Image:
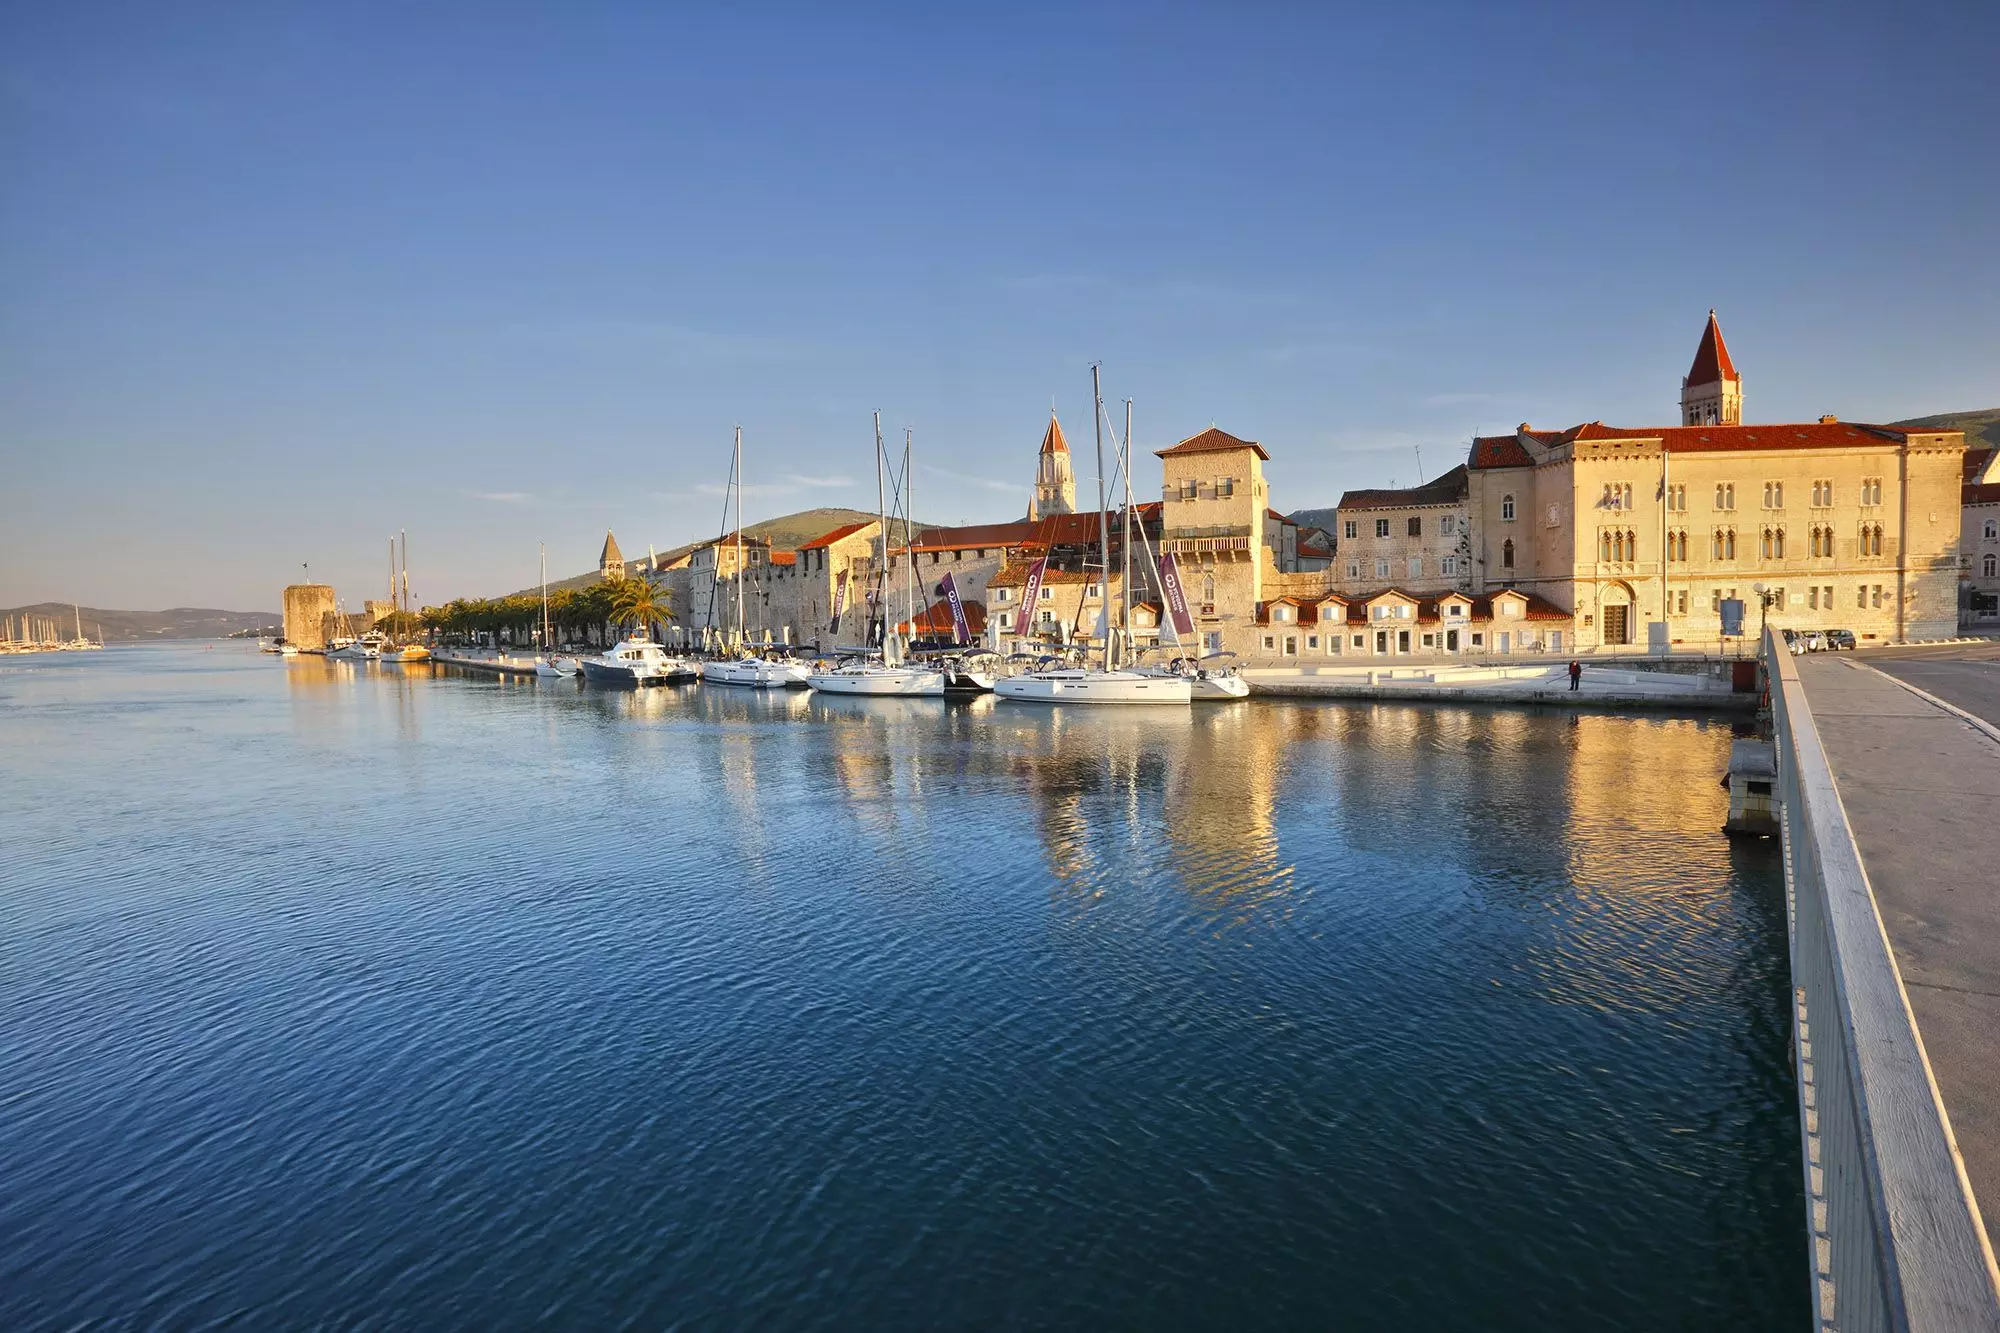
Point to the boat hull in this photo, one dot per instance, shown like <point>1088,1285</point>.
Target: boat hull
<point>755,675</point>
<point>1094,687</point>
<point>606,673</point>
<point>1219,689</point>
<point>880,683</point>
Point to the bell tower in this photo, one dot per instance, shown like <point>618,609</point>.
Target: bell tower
<point>1055,485</point>
<point>1712,391</point>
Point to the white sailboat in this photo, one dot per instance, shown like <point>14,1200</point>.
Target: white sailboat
<point>406,653</point>
<point>885,674</point>
<point>547,665</point>
<point>1087,684</point>
<point>748,669</point>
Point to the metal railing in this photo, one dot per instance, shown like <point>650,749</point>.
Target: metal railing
<point>1895,1239</point>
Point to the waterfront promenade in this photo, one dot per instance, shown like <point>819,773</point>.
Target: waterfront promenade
<point>1921,785</point>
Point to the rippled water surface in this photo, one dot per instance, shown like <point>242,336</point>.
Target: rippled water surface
<point>338,997</point>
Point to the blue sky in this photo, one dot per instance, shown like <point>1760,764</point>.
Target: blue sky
<point>277,280</point>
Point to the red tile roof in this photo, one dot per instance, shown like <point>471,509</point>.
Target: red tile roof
<point>784,557</point>
<point>1451,488</point>
<point>1211,441</point>
<point>936,619</point>
<point>1976,458</point>
<point>1737,439</point>
<point>1711,359</point>
<point>1052,439</point>
<point>1981,493</point>
<point>838,534</point>
<point>1495,451</point>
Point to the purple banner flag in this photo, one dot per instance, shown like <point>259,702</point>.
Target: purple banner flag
<point>1030,595</point>
<point>959,633</point>
<point>839,602</point>
<point>1176,595</point>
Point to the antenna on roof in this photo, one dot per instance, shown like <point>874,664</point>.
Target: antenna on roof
<point>1420,463</point>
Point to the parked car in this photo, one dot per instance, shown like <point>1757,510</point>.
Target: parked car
<point>1837,639</point>
<point>1815,641</point>
<point>1795,642</point>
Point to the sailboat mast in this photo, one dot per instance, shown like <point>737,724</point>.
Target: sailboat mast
<point>1103,525</point>
<point>882,569</point>
<point>1125,545</point>
<point>909,537</point>
<point>545,596</point>
<point>739,537</point>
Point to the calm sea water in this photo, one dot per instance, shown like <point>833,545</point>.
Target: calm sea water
<point>339,997</point>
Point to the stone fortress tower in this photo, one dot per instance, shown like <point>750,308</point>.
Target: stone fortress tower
<point>1712,392</point>
<point>1055,484</point>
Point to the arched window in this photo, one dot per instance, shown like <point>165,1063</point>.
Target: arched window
<point>1207,587</point>
<point>1765,549</point>
<point>1993,529</point>
<point>1778,542</point>
<point>1604,546</point>
<point>1507,548</point>
<point>1506,509</point>
<point>1729,544</point>
<point>1990,566</point>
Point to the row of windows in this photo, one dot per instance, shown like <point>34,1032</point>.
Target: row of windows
<point>1615,544</point>
<point>1617,495</point>
<point>1448,566</point>
<point>1414,526</point>
<point>1819,597</point>
<point>1219,489</point>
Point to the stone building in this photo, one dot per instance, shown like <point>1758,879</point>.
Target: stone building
<point>374,608</point>
<point>1215,516</point>
<point>836,567</point>
<point>1642,533</point>
<point>1416,538</point>
<point>610,561</point>
<point>1979,556</point>
<point>307,606</point>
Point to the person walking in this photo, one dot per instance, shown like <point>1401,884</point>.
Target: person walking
<point>1575,675</point>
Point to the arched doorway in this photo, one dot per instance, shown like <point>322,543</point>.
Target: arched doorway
<point>1614,609</point>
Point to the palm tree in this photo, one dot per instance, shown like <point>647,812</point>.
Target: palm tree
<point>637,600</point>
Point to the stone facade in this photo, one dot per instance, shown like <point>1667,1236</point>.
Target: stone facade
<point>1979,557</point>
<point>1055,482</point>
<point>307,606</point>
<point>1418,538</point>
<point>1215,508</point>
<point>1642,533</point>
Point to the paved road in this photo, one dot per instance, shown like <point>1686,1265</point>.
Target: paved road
<point>1922,792</point>
<point>1967,675</point>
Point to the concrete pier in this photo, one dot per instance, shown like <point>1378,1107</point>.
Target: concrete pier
<point>1526,683</point>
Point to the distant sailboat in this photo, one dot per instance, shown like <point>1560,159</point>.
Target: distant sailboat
<point>747,668</point>
<point>548,666</point>
<point>884,673</point>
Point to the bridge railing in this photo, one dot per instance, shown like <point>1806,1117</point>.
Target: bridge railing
<point>1896,1242</point>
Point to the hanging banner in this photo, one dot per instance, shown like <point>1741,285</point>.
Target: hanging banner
<point>959,633</point>
<point>1031,596</point>
<point>839,601</point>
<point>1176,595</point>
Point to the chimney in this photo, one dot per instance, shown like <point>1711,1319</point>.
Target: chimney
<point>1829,419</point>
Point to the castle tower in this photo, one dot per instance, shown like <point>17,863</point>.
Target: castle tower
<point>1712,392</point>
<point>1055,485</point>
<point>611,561</point>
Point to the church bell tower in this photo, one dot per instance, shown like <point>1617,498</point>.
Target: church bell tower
<point>1055,485</point>
<point>1712,392</point>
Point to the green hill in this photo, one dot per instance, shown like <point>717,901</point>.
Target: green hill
<point>1982,428</point>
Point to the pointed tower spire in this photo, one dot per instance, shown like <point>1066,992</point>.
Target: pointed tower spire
<point>611,561</point>
<point>1712,391</point>
<point>1055,484</point>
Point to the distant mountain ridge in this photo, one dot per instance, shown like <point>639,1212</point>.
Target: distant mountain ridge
<point>176,622</point>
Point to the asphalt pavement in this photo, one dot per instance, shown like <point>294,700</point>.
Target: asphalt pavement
<point>1966,675</point>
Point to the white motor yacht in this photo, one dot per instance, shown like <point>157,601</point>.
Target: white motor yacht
<point>757,673</point>
<point>862,676</point>
<point>633,662</point>
<point>1088,685</point>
